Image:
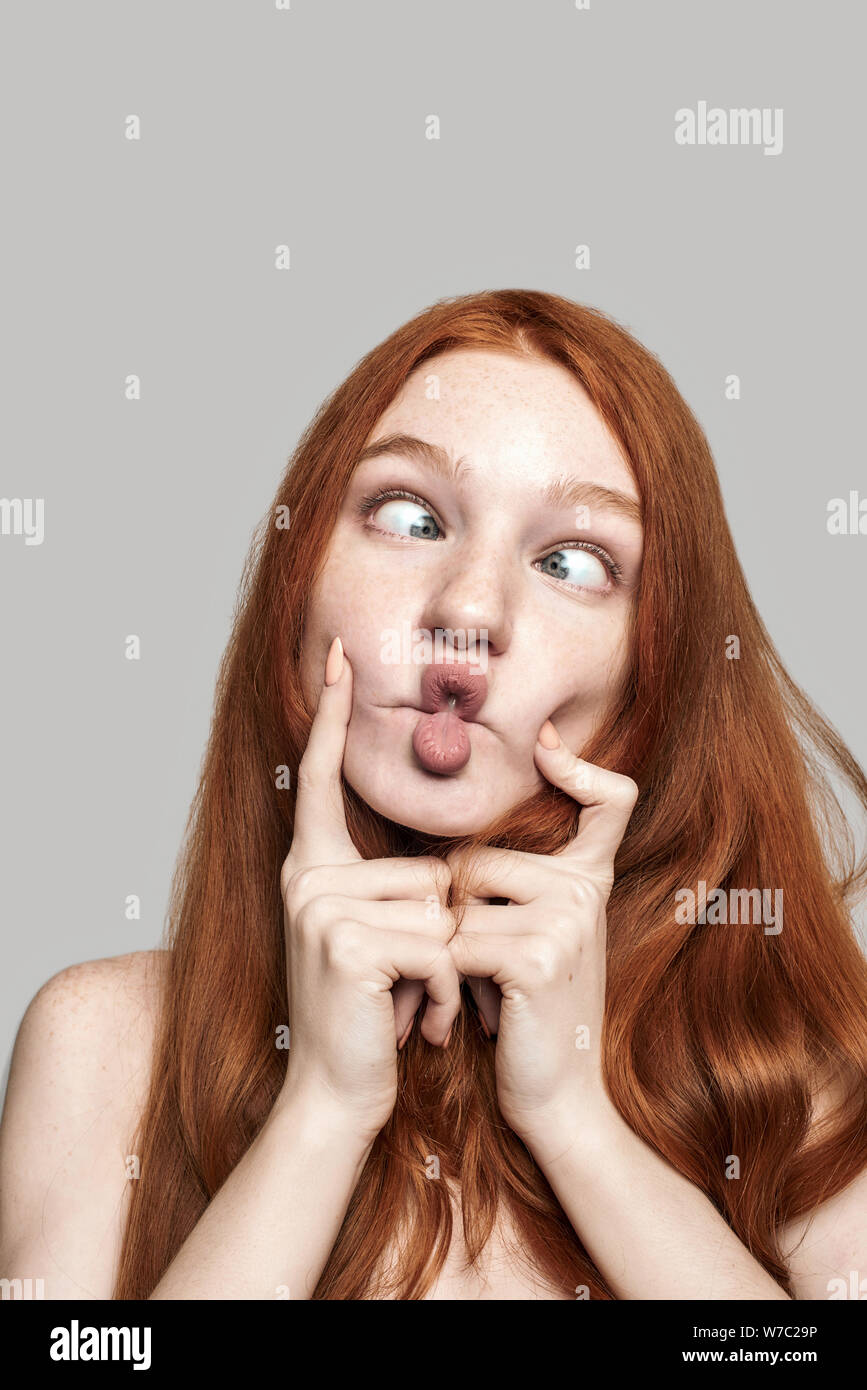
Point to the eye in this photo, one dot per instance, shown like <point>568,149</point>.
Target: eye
<point>401,513</point>
<point>583,567</point>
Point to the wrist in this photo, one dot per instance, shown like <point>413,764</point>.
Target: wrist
<point>309,1113</point>
<point>580,1126</point>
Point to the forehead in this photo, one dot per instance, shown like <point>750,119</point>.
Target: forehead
<point>508,416</point>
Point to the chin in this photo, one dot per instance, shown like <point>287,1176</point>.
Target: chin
<point>420,800</point>
<point>430,815</point>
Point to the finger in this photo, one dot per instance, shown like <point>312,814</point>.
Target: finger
<point>608,799</point>
<point>494,920</point>
<point>424,878</point>
<point>484,992</point>
<point>501,960</point>
<point>498,873</point>
<point>407,995</point>
<point>428,919</point>
<point>416,957</point>
<point>320,830</point>
<point>487,996</point>
<point>511,921</point>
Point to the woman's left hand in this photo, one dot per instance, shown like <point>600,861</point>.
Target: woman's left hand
<point>546,952</point>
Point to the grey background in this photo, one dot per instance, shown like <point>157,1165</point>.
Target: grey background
<point>307,127</point>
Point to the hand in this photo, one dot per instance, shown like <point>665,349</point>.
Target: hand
<point>546,952</point>
<point>353,928</point>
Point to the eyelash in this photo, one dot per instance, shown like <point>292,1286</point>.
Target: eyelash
<point>370,502</point>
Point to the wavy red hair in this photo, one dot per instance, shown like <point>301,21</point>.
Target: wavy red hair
<point>716,1038</point>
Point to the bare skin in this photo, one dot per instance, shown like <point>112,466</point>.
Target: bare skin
<point>77,1086</point>
<point>79,1077</point>
<point>495,559</point>
<point>340,1086</point>
<point>491,557</point>
<point>70,1110</point>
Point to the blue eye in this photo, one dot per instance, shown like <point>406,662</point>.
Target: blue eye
<point>581,565</point>
<point>578,566</point>
<point>402,514</point>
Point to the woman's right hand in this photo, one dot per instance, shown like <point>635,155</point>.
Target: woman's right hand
<point>353,928</point>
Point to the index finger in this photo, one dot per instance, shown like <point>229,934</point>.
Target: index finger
<point>320,831</point>
<point>608,799</point>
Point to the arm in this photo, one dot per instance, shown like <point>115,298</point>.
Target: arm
<point>652,1233</point>
<point>77,1089</point>
<point>77,1085</point>
<point>667,1240</point>
<point>271,1227</point>
<point>273,1223</point>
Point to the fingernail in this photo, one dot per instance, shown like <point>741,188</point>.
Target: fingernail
<point>406,1035</point>
<point>548,736</point>
<point>334,663</point>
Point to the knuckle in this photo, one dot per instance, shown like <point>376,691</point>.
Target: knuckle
<point>445,926</point>
<point>587,897</point>
<point>298,888</point>
<point>314,773</point>
<point>319,911</point>
<point>543,958</point>
<point>343,945</point>
<point>440,872</point>
<point>304,780</point>
<point>581,893</point>
<point>441,958</point>
<point>287,873</point>
<point>626,791</point>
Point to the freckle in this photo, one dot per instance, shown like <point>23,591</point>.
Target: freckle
<point>570,977</point>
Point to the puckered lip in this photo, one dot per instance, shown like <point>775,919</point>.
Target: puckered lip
<point>453,684</point>
<point>467,718</point>
<point>416,709</point>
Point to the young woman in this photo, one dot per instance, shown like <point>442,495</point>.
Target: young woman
<point>513,827</point>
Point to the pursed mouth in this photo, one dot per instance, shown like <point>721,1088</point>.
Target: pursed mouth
<point>449,687</point>
<point>416,709</point>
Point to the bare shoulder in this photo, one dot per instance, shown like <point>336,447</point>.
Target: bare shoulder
<point>77,1084</point>
<point>89,1028</point>
<point>116,992</point>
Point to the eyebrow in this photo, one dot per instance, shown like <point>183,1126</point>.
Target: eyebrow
<point>561,492</point>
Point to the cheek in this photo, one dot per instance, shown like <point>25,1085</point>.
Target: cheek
<point>589,668</point>
<point>362,609</point>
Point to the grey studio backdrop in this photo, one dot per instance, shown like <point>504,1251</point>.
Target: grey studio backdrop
<point>309,127</point>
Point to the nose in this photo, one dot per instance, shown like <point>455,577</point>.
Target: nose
<point>470,598</point>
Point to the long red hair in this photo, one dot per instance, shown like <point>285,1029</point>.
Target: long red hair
<point>716,1037</point>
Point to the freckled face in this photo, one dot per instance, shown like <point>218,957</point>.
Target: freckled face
<point>537,589</point>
